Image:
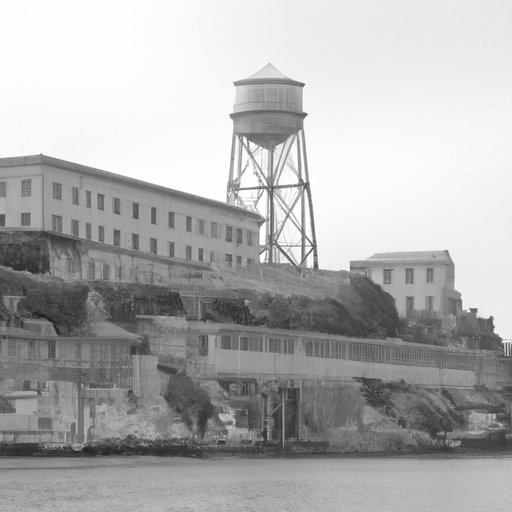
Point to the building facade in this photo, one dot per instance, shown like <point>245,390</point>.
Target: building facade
<point>121,215</point>
<point>420,282</point>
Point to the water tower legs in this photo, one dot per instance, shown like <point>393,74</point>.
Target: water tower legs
<point>274,181</point>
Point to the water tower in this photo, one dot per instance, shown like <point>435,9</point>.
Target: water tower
<point>269,167</point>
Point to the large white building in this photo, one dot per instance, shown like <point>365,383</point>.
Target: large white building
<point>422,281</point>
<point>121,223</point>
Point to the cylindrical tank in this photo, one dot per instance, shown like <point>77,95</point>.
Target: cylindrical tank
<point>268,107</point>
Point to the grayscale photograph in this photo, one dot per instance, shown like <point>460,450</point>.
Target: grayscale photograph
<point>253,256</point>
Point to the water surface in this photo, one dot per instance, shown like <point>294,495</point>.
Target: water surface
<point>395,484</point>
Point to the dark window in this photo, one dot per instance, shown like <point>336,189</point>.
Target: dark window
<point>409,275</point>
<point>171,219</point>
<point>26,188</point>
<point>101,201</point>
<point>250,263</point>
<point>2,220</point>
<point>214,230</point>
<point>387,275</point>
<point>188,225</point>
<point>153,246</point>
<point>88,231</point>
<point>409,305</point>
<point>251,344</point>
<point>200,254</point>
<point>135,210</point>
<point>32,349</point>
<point>153,215</point>
<point>88,198</point>
<point>239,237</point>
<point>74,227</point>
<point>52,350</point>
<point>228,260</point>
<point>430,275</point>
<point>229,233</point>
<point>3,189</point>
<point>91,270</point>
<point>101,234</point>
<point>188,252</point>
<point>75,195</point>
<point>117,237</point>
<point>429,303</point>
<point>116,205</point>
<point>171,249</point>
<point>106,271</point>
<point>57,223</point>
<point>249,237</point>
<point>57,191</point>
<point>25,219</point>
<point>228,343</point>
<point>135,241</point>
<point>44,423</point>
<point>239,261</point>
<point>200,226</point>
<point>203,345</point>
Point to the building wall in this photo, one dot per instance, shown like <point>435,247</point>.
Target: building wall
<point>196,220</point>
<point>441,288</point>
<point>14,204</point>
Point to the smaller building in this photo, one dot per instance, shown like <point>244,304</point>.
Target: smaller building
<point>421,282</point>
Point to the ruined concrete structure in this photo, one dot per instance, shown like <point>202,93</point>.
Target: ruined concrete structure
<point>95,224</point>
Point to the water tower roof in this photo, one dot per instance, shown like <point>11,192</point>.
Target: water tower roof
<point>268,74</point>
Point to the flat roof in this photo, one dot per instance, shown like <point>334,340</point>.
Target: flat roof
<point>408,257</point>
<point>99,173</point>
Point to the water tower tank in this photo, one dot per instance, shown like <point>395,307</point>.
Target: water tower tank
<point>268,107</point>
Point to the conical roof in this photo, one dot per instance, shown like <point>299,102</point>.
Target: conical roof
<point>268,74</point>
<point>268,71</point>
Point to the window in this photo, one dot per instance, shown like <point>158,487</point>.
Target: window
<point>387,273</point>
<point>26,188</point>
<point>74,227</point>
<point>88,199</point>
<point>409,276</point>
<point>429,303</point>
<point>200,226</point>
<point>3,189</point>
<point>119,273</point>
<point>101,234</point>
<point>188,225</point>
<point>249,237</point>
<point>52,350</point>
<point>239,237</point>
<point>409,305</point>
<point>88,230</point>
<point>153,215</point>
<point>203,345</point>
<point>229,233</point>
<point>239,261</point>
<point>12,348</point>
<point>228,259</point>
<point>212,256</point>
<point>25,219</point>
<point>78,351</point>
<point>117,237</point>
<point>75,195</point>
<point>281,346</point>
<point>106,271</point>
<point>152,245</point>
<point>57,191</point>
<point>188,252</point>
<point>430,275</point>
<point>116,205</point>
<point>200,254</point>
<point>250,263</point>
<point>135,241</point>
<point>171,249</point>
<point>44,423</point>
<point>251,344</point>
<point>101,201</point>
<point>91,270</point>
<point>32,349</point>
<point>57,223</point>
<point>170,219</point>
<point>214,230</point>
<point>2,220</point>
<point>228,343</point>
<point>135,210</point>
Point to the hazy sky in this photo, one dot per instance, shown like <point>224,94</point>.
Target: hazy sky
<point>409,126</point>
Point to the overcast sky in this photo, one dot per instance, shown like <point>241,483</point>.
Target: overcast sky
<point>409,102</point>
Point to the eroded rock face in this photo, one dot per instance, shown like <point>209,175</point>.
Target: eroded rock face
<point>25,251</point>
